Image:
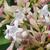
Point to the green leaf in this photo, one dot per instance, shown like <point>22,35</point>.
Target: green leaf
<point>4,47</point>
<point>10,2</point>
<point>1,2</point>
<point>3,41</point>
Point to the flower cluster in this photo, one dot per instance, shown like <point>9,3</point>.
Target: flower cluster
<point>29,24</point>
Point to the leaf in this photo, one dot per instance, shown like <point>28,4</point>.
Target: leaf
<point>2,29</point>
<point>3,41</point>
<point>10,2</point>
<point>1,2</point>
<point>4,47</point>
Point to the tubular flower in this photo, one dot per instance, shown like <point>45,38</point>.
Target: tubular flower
<point>29,24</point>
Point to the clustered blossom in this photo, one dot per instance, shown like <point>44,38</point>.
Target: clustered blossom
<point>27,29</point>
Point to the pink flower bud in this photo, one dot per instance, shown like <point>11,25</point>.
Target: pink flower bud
<point>20,48</point>
<point>48,35</point>
<point>48,0</point>
<point>1,11</point>
<point>48,27</point>
<point>25,1</point>
<point>43,1</point>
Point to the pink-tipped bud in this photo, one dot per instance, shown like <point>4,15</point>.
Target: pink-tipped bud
<point>49,36</point>
<point>1,11</point>
<point>43,1</point>
<point>48,27</point>
<point>20,48</point>
<point>25,1</point>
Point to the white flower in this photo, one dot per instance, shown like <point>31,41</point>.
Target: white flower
<point>45,13</point>
<point>19,15</point>
<point>7,37</point>
<point>48,46</point>
<point>13,32</point>
<point>47,19</point>
<point>44,10</point>
<point>24,34</point>
<point>26,10</point>
<point>16,23</point>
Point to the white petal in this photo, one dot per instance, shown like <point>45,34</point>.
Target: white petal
<point>19,40</point>
<point>16,23</point>
<point>14,38</point>
<point>48,46</point>
<point>47,19</point>
<point>7,37</point>
<point>24,34</point>
<point>44,10</point>
<point>19,30</point>
<point>45,7</point>
<point>8,26</point>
